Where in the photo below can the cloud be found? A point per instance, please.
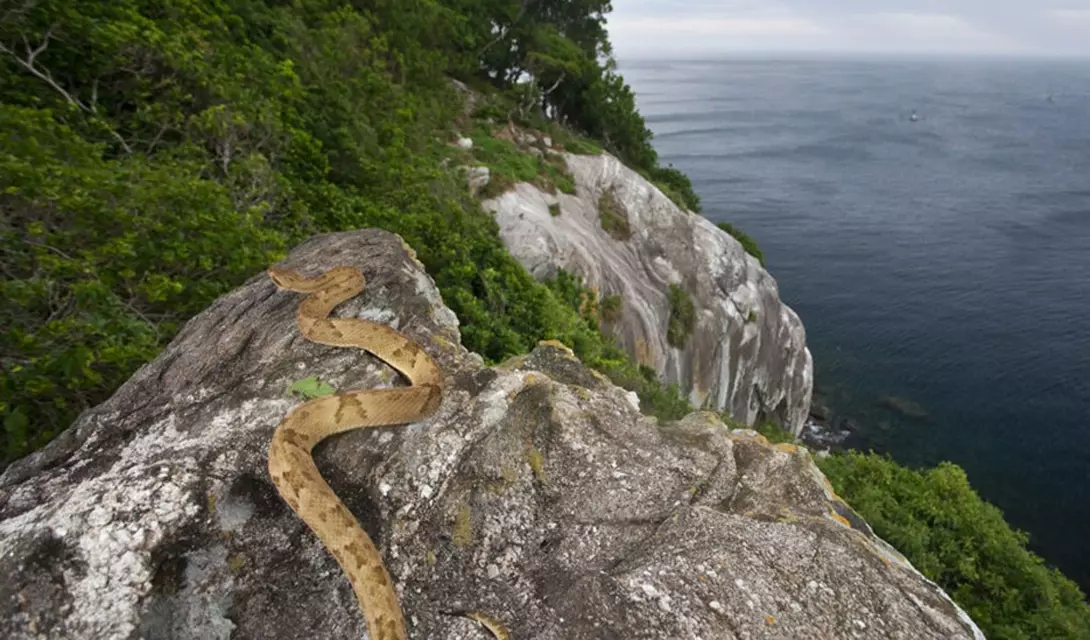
(654, 27)
(1079, 18)
(719, 27)
(905, 32)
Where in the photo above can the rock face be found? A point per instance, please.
(747, 352)
(537, 494)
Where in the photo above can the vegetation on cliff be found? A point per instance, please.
(936, 519)
(155, 154)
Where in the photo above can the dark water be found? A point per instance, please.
(944, 261)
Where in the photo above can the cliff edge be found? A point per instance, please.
(537, 494)
(745, 351)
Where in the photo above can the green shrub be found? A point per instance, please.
(611, 308)
(682, 317)
(612, 217)
(554, 209)
(747, 242)
(936, 519)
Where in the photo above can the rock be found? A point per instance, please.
(465, 143)
(537, 494)
(470, 98)
(477, 178)
(819, 411)
(747, 353)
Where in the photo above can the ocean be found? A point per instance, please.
(941, 265)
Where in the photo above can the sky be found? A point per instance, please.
(672, 28)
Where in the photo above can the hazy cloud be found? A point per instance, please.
(706, 27)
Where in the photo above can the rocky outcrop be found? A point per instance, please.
(537, 493)
(747, 351)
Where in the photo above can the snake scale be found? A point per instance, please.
(292, 467)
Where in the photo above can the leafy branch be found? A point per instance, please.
(30, 64)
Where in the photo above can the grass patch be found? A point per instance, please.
(554, 209)
(748, 243)
(774, 432)
(581, 146)
(613, 218)
(682, 316)
(509, 164)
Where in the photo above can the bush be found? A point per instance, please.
(611, 308)
(612, 217)
(682, 316)
(676, 185)
(962, 543)
(748, 243)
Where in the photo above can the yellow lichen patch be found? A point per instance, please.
(508, 477)
(839, 518)
(211, 503)
(512, 362)
(236, 562)
(510, 474)
(441, 341)
(600, 377)
(430, 558)
(582, 393)
(534, 378)
(769, 620)
(463, 526)
(537, 463)
(558, 345)
(786, 447)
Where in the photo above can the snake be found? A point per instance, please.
(291, 464)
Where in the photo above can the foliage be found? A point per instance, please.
(154, 155)
(949, 533)
(675, 185)
(612, 217)
(610, 307)
(748, 243)
(311, 387)
(774, 432)
(509, 164)
(581, 146)
(554, 209)
(682, 316)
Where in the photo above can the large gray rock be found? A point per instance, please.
(747, 354)
(537, 493)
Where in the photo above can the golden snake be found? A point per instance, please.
(292, 467)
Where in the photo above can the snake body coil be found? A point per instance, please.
(292, 467)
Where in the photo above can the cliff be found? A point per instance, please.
(746, 351)
(537, 493)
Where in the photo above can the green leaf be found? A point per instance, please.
(311, 387)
